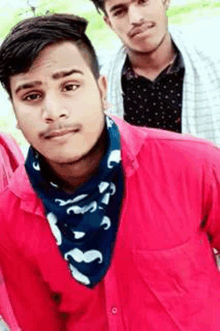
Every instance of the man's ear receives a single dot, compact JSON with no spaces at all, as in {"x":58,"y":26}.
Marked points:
{"x":102,"y":84}
{"x":107,"y":21}
{"x":14,"y":110}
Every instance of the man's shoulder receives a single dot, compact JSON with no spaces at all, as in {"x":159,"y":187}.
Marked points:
{"x":200,"y":36}
{"x":108,"y":59}
{"x":183,"y":144}
{"x":173,"y":138}
{"x":19,"y":190}
{"x":13,"y":185}
{"x":162,"y":141}
{"x":158,"y":134}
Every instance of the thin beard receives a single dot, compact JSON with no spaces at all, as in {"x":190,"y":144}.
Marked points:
{"x":150,"y":52}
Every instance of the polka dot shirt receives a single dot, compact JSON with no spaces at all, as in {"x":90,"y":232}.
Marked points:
{"x":155,"y":104}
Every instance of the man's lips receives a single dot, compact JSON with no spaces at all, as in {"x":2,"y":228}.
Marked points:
{"x":144,"y":27}
{"x":59,"y":133}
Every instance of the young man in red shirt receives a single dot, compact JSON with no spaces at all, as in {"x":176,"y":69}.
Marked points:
{"x":107,"y":226}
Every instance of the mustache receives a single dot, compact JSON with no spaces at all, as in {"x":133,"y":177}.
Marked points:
{"x":59,"y":128}
{"x":140,"y":27}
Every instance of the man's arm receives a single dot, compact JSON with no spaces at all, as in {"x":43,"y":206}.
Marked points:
{"x":212,"y":201}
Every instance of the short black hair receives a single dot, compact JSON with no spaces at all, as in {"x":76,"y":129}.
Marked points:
{"x":100,"y":5}
{"x":30,"y":36}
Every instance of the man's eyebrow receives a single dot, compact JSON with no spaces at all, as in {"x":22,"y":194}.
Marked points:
{"x":27,"y":86}
{"x":119,"y":6}
{"x":63,"y":73}
{"x":57,"y":75}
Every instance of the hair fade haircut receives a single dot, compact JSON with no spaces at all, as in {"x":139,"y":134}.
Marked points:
{"x":29,"y":37}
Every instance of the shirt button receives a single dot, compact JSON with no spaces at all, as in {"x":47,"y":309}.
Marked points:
{"x":114,"y":310}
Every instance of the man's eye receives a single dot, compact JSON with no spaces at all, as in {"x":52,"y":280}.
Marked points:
{"x":119,"y":12}
{"x":71,"y":87}
{"x":143,"y":1}
{"x":32,"y":97}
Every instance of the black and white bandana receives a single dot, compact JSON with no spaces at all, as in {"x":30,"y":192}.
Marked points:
{"x":84,"y":223}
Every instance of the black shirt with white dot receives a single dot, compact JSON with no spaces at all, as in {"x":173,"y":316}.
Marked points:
{"x":155,"y":104}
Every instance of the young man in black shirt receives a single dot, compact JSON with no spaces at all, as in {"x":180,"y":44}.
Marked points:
{"x":160,"y":78}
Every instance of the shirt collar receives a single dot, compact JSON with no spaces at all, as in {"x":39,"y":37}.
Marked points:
{"x":128,"y":72}
{"x":131,"y":143}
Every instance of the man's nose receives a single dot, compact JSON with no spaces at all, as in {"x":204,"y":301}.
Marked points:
{"x":135,"y":15}
{"x":53,"y":110}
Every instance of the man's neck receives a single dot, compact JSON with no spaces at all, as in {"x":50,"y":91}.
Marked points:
{"x":150,"y":65}
{"x":72,"y":175}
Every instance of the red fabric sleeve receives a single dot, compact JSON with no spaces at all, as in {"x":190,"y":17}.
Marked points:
{"x":212,"y":200}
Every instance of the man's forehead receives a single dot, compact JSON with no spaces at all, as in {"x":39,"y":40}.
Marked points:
{"x":55,"y":61}
{"x":66,"y":52}
{"x":59,"y":57}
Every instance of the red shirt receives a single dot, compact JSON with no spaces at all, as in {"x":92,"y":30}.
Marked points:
{"x":163,"y":275}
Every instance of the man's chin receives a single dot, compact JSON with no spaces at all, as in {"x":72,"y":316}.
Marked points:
{"x":143,"y":49}
{"x":68,"y":161}
{"x":146,"y":46}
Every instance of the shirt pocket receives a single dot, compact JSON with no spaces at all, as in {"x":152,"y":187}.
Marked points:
{"x":178,"y":278}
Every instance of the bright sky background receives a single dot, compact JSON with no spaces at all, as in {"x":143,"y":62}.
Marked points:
{"x":14,"y":4}
{"x":11,"y":4}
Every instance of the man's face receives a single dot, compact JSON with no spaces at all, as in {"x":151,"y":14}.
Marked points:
{"x":140,"y":24}
{"x":59,"y":104}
